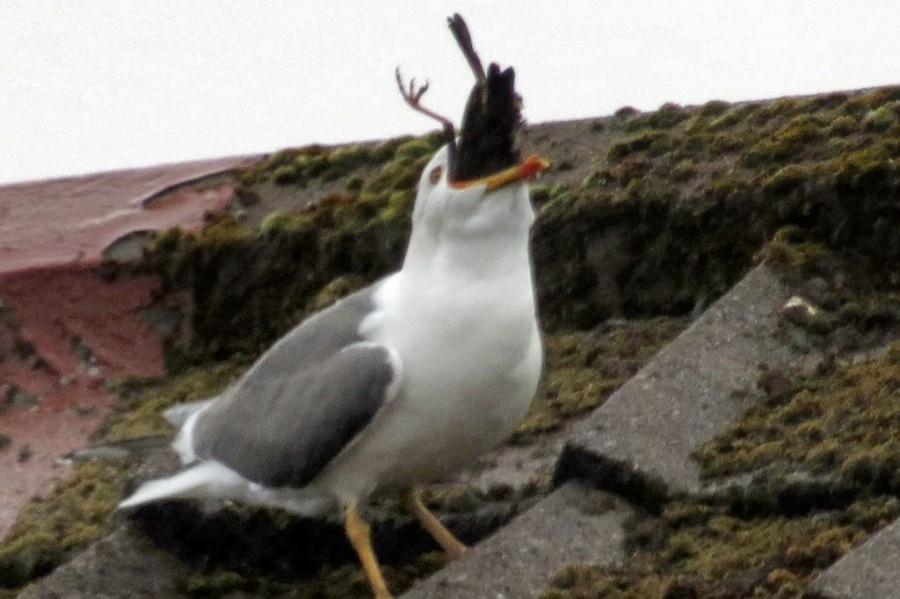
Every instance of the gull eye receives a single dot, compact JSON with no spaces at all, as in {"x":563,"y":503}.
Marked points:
{"x":435,"y":175}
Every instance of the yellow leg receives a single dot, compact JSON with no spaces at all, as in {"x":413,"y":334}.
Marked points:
{"x":358,"y":533}
{"x":444,"y":537}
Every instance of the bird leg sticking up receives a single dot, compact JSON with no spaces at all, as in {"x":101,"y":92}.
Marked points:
{"x":492,"y":118}
{"x":451,"y":545}
{"x":412,"y":95}
{"x":360,"y":537}
{"x":461,"y":33}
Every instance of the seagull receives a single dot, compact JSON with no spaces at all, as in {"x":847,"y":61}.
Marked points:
{"x":405,"y":381}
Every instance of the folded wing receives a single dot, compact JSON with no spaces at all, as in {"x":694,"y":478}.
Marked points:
{"x":281,"y":428}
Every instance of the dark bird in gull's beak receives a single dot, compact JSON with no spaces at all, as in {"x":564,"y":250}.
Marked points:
{"x":486,"y":151}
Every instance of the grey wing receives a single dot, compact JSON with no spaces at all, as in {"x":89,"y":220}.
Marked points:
{"x":282,"y":429}
{"x":311,"y":341}
{"x":318,"y":336}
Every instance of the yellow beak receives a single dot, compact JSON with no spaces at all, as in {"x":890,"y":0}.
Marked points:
{"x":527,"y":169}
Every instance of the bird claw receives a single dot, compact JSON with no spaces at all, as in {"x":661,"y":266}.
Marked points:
{"x":412,"y":95}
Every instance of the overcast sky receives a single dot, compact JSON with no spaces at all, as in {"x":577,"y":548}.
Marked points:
{"x":98,"y":85}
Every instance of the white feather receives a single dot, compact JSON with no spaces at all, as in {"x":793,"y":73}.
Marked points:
{"x":208,"y":479}
{"x":184,"y":440}
{"x":177,"y":415}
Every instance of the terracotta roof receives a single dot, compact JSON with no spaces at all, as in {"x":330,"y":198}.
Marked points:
{"x":64,"y":330}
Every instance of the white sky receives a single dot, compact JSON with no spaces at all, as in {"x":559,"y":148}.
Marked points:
{"x":97,"y":85}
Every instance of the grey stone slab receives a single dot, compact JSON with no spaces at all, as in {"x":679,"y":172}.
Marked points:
{"x":122,"y":565}
{"x":639,"y":442}
{"x":870,"y":571}
{"x":573,"y":524}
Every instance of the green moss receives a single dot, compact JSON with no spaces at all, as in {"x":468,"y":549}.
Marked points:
{"x":777,"y":110}
{"x":788,"y":179}
{"x":867,"y":167}
{"x":791,"y":250}
{"x":462,"y":499}
{"x":49,"y":531}
{"x":414,"y":148}
{"x":284,"y":174}
{"x":223,"y":230}
{"x":786,"y":142}
{"x":741,"y":114}
{"x":713,"y":108}
{"x":399,"y":206}
{"x":339,"y":287}
{"x":843,"y":125}
{"x":684,"y":170}
{"x":561,"y":195}
{"x":288,"y":166}
{"x":347,"y":159}
{"x":881,"y":96}
{"x":281,"y":220}
{"x":333,"y":583}
{"x":582,"y":369}
{"x":824,"y":102}
{"x":727,"y":141}
{"x":627,"y":171}
{"x":402,"y":172}
{"x":725,"y":121}
{"x":540,"y":192}
{"x":309,"y":164}
{"x":667,"y":116}
{"x":647,"y":190}
{"x":138,"y":413}
{"x":728,"y":187}
{"x":882,"y":117}
{"x":298,"y":166}
{"x":719,"y":555}
{"x":799,"y":130}
{"x":859,"y":105}
{"x":848,"y":313}
{"x":653,"y":141}
{"x":840,"y":422}
{"x":851,"y":416}
{"x":764,"y":152}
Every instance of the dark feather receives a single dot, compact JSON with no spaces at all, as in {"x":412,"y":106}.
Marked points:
{"x":490,"y":125}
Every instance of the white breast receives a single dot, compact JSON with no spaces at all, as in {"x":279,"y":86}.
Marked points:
{"x":471,"y":356}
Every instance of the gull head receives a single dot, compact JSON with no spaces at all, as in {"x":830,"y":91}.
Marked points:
{"x":472,"y":198}
{"x":495,"y":203}
{"x":477,"y":182}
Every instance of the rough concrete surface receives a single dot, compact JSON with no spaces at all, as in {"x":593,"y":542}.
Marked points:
{"x":124,"y":563}
{"x":121,"y":565}
{"x":870,"y":571}
{"x":574,"y":524}
{"x":640,"y":441}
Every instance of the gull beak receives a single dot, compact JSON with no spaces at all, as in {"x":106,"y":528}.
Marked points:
{"x":528,"y":169}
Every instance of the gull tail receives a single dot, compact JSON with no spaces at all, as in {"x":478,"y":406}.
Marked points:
{"x":208,"y":479}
